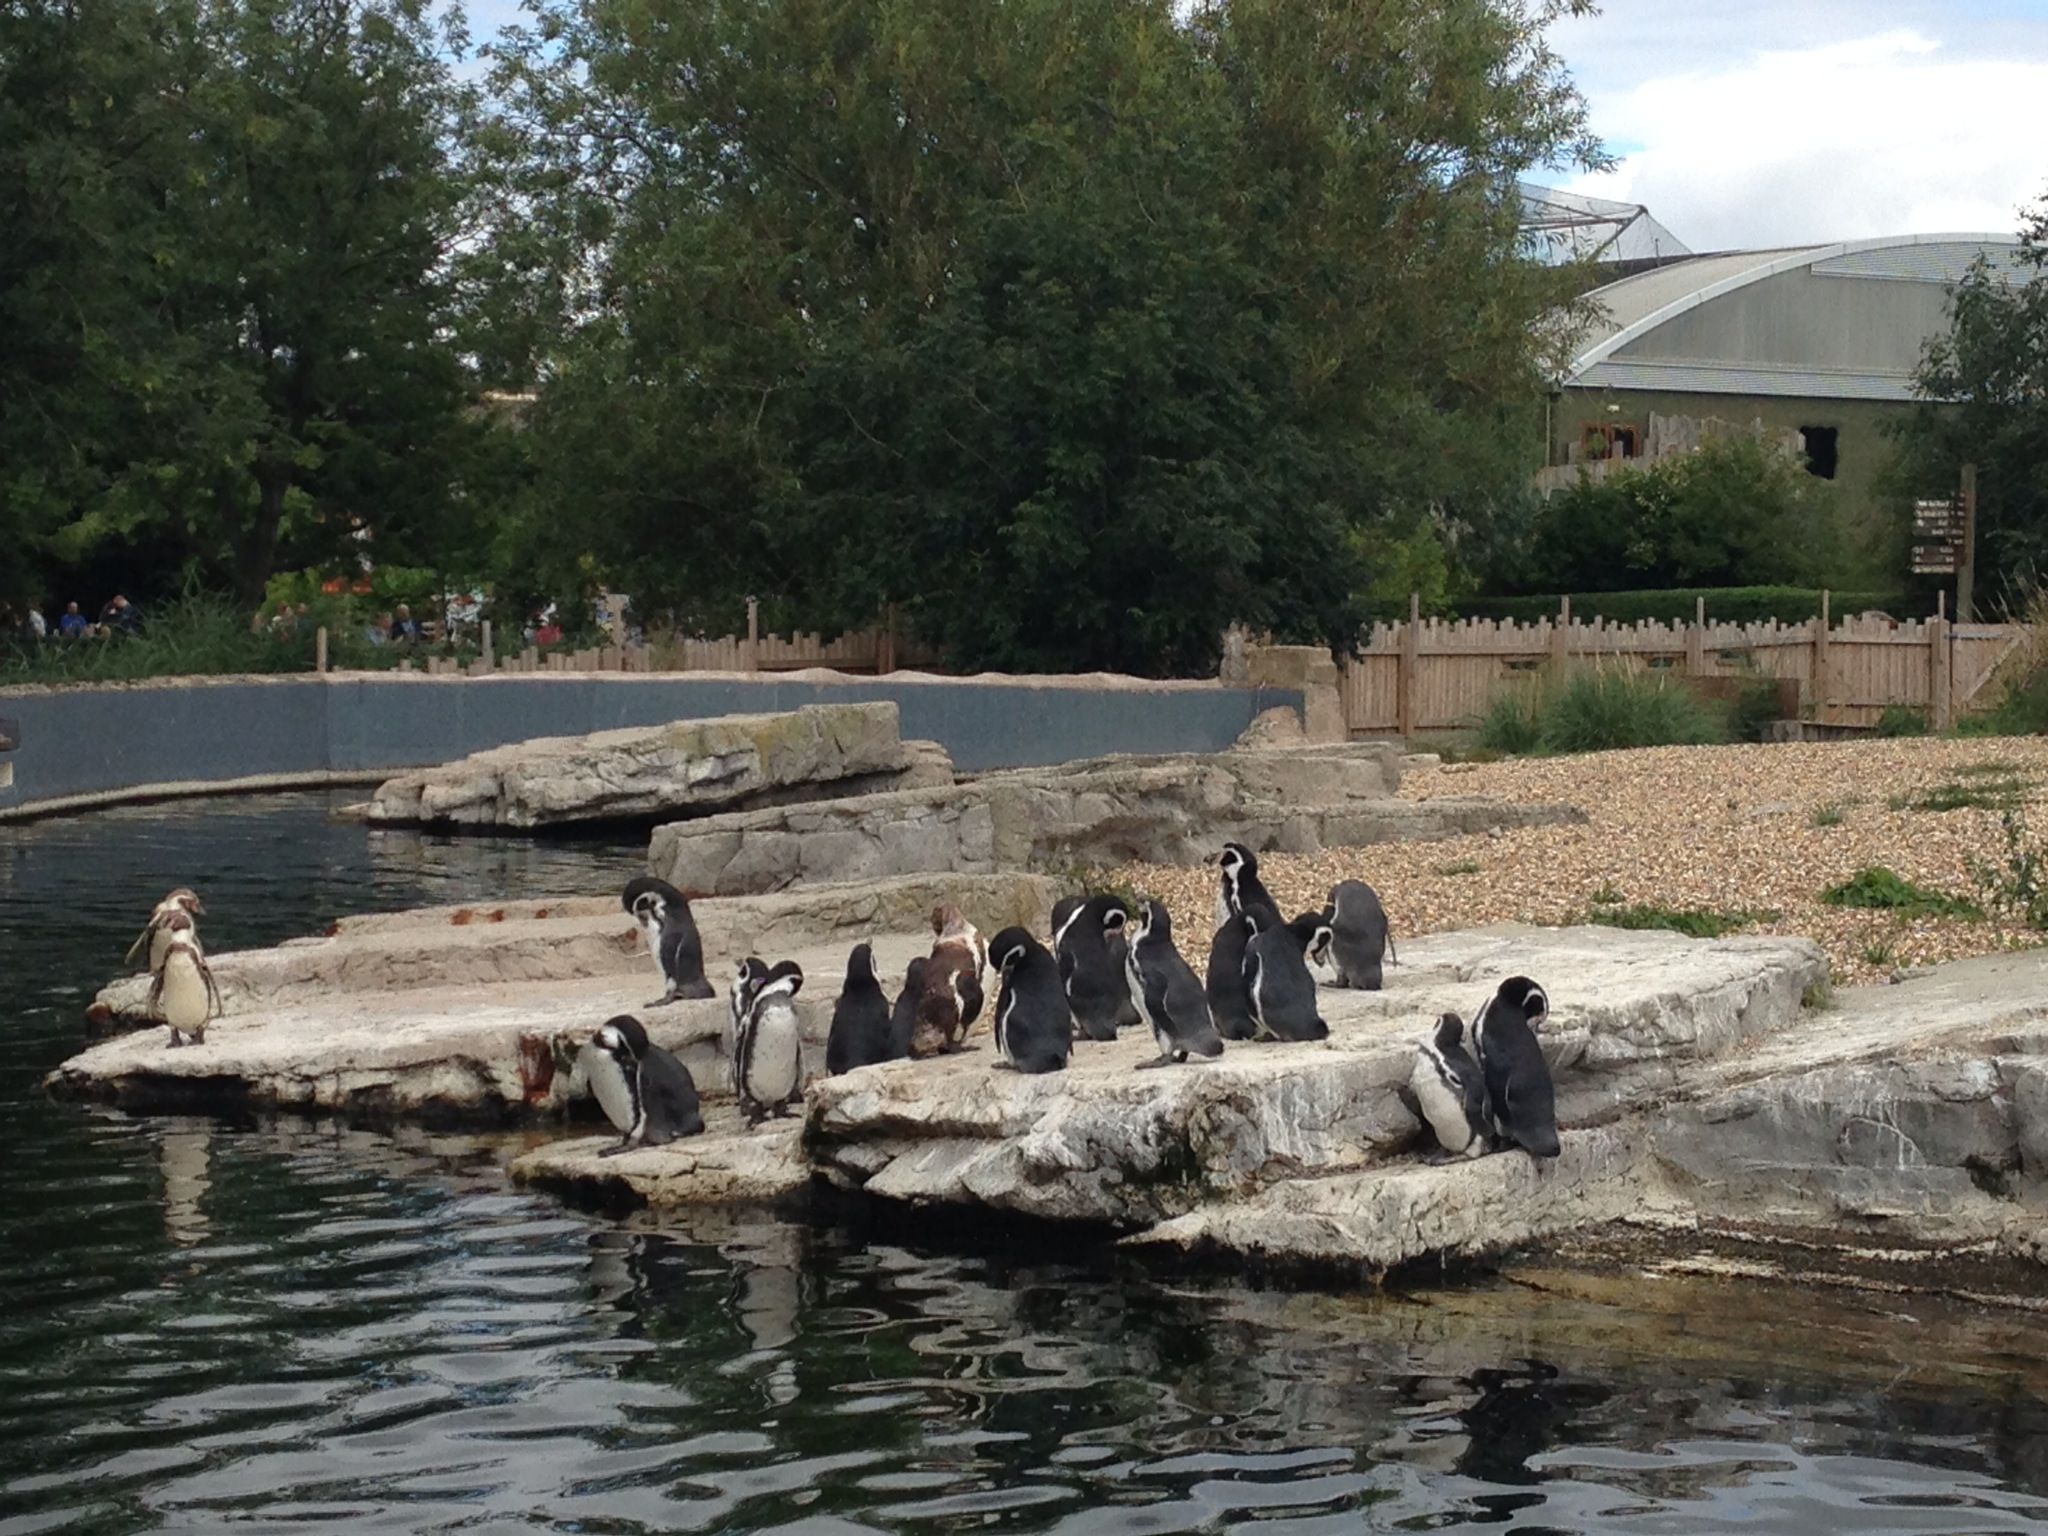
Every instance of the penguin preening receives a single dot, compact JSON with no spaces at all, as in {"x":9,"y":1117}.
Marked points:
{"x":1088,"y":942}
{"x":662,"y":913}
{"x":767,"y":1061}
{"x":1359,"y":937}
{"x":1519,"y":1093}
{"x":1239,"y":887}
{"x":860,"y":1034}
{"x":184,"y":995}
{"x":1168,"y":999}
{"x":648,"y":1095}
{"x":1230,"y":1001}
{"x":182,"y":902}
{"x":1034,"y":1028}
{"x":1283,"y":993}
{"x":1451,"y":1090}
{"x":953,"y":984}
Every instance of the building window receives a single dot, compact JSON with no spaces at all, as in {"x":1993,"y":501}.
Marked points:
{"x":1610,"y":440}
{"x":1819,"y":443}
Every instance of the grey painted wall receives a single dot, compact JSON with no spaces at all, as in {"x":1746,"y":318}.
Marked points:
{"x":98,"y":740}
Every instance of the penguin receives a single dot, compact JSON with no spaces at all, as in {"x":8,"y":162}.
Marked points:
{"x":663,"y":915}
{"x":903,"y":1017}
{"x":953,"y":984}
{"x":861,"y":1034}
{"x":1165,"y":993}
{"x":184,"y":994}
{"x":1359,"y":934}
{"x":1088,"y":941}
{"x":1230,"y":1001}
{"x":183,"y":901}
{"x":1034,"y":1027}
{"x":648,"y":1095}
{"x":1451,"y":1090}
{"x":1519,"y":1093}
{"x":1241,"y":890}
{"x":1283,"y":993}
{"x":767,"y":1061}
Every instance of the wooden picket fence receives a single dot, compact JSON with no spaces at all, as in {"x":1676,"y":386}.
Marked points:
{"x":1428,"y":674}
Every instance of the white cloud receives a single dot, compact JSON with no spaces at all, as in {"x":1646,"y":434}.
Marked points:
{"x":1893,"y":132}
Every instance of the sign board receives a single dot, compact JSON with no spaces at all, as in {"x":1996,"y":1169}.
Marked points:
{"x":1937,"y":537}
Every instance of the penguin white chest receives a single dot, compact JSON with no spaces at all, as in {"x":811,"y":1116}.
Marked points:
{"x":1135,"y":979}
{"x":774,"y":1057}
{"x":1442,"y":1106}
{"x":183,"y":1003}
{"x":614,"y":1091}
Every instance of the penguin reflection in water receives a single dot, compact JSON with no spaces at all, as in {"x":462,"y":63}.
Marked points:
{"x":184,"y":994}
{"x":767,"y":1057}
{"x":646,"y":1093}
{"x":662,"y":914}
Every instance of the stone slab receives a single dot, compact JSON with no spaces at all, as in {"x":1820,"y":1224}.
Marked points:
{"x":727,"y":1165}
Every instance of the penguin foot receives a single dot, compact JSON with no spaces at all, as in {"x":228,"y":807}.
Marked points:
{"x":659,"y":1002}
{"x":1165,"y":1060}
{"x":624,"y":1146}
{"x":176,"y":1040}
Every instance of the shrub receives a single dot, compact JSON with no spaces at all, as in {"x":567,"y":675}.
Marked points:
{"x":1692,"y":922}
{"x":2017,"y":883}
{"x":1513,"y":724}
{"x":1902,"y":720}
{"x":1884,"y":890}
{"x":1598,"y":710}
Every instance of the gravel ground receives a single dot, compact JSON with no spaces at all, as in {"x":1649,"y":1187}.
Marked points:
{"x":1758,"y":829}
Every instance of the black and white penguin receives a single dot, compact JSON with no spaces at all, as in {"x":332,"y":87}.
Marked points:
{"x":768,"y":1058}
{"x":662,"y":914}
{"x":183,"y":995}
{"x":1239,"y":887}
{"x":1519,"y":1093}
{"x":1451,"y":1090}
{"x":1230,"y":1000}
{"x":648,"y":1095}
{"x":1034,"y":1027}
{"x":156,"y":934}
{"x":860,"y":1034}
{"x":1359,"y":938}
{"x":1088,"y":942}
{"x":1168,"y":999}
{"x":1283,"y":993}
{"x":903,"y":1017}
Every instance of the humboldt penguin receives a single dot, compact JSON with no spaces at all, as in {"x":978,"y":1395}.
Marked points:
{"x":767,"y":1061}
{"x":953,"y":984}
{"x":184,"y":994}
{"x":903,"y":1017}
{"x":1283,"y":993}
{"x":1165,"y":993}
{"x":155,"y":935}
{"x":1519,"y":1093}
{"x":662,"y":914}
{"x":1088,"y":942}
{"x":1034,"y":1027}
{"x":1230,"y":1001}
{"x":1240,"y":889}
{"x":648,"y":1095}
{"x":1451,"y":1090}
{"x":860,"y":1034}
{"x":1359,"y":937}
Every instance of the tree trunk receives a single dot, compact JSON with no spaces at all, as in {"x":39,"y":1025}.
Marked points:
{"x":256,"y":538}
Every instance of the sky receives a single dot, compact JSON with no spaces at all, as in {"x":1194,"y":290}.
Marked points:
{"x":1745,"y":124}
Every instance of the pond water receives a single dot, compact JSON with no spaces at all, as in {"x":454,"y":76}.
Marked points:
{"x":292,"y":1325}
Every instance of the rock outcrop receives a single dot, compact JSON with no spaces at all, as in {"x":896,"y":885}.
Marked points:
{"x":687,"y":768}
{"x":1105,"y":811}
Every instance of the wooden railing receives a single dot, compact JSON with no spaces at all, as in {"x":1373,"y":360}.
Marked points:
{"x":878,"y":650}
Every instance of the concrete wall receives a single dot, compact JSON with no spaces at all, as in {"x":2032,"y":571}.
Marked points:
{"x":104,"y":741}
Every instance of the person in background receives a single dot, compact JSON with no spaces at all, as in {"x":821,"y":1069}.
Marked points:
{"x":283,"y":622}
{"x":547,"y":630}
{"x":121,"y":615}
{"x":72,"y":625}
{"x":38,"y":626}
{"x":379,"y":632}
{"x":405,"y":628}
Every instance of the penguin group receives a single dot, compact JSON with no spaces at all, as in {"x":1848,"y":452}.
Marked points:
{"x":183,"y":995}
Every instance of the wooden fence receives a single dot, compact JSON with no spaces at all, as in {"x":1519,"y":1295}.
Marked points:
{"x":878,"y":650}
{"x":1427,"y":674}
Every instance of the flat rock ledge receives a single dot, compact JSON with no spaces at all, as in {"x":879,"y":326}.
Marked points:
{"x":688,"y":767}
{"x":1170,"y":809}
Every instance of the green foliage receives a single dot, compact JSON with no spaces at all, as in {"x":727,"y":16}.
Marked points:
{"x":1459,"y":867}
{"x":1903,"y":720}
{"x":1833,"y":814}
{"x":1597,"y":710}
{"x":1513,"y":724}
{"x":1732,"y":605}
{"x":1885,"y":890}
{"x":1979,"y":795}
{"x":190,"y":636}
{"x":2016,"y":883}
{"x":1692,"y":922}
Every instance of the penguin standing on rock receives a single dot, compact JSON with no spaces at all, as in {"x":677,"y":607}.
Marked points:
{"x":1241,"y":890}
{"x":1359,"y":936}
{"x":860,"y":1019}
{"x":1034,"y":1027}
{"x":156,"y":934}
{"x":184,"y":994}
{"x":903,"y":1017}
{"x":1230,"y":1001}
{"x":1283,"y":993}
{"x":1165,"y":993}
{"x":1088,"y":942}
{"x":1519,"y":1093}
{"x":953,"y":984}
{"x":767,"y":1061}
{"x":662,"y":914}
{"x":1451,"y":1090}
{"x":646,"y":1093}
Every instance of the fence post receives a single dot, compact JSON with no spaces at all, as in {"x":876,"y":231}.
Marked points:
{"x":486,"y":658}
{"x":1823,"y":690}
{"x":751,"y":661}
{"x":1940,"y":704}
{"x":885,"y":644}
{"x":1561,"y":638}
{"x":1411,"y":656}
{"x":320,"y":649}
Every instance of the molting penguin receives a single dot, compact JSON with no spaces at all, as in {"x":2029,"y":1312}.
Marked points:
{"x":1034,"y":1028}
{"x":767,"y":1061}
{"x":1165,"y":993}
{"x":649,"y":1096}
{"x":1088,"y":942}
{"x":953,"y":984}
{"x":1283,"y":993}
{"x":1240,"y":889}
{"x":184,"y":994}
{"x":1519,"y":1093}
{"x":1359,"y":936}
{"x":903,"y":1017}
{"x":860,"y":1019}
{"x":1451,"y":1090}
{"x":663,"y":915}
{"x":1230,"y":1000}
{"x":183,"y":901}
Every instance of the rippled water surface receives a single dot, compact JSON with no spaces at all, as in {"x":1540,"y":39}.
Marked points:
{"x":290,"y":1325}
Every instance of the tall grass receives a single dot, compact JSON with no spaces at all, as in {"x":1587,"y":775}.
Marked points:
{"x":192,"y":636}
{"x":1598,"y":711}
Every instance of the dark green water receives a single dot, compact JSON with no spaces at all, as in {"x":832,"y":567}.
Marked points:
{"x":289,"y":1326}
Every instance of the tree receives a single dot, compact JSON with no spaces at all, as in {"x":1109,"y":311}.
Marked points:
{"x":1073,"y":327}
{"x":1984,"y":393}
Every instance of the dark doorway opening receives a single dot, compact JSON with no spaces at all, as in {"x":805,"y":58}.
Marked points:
{"x":1819,"y":443}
